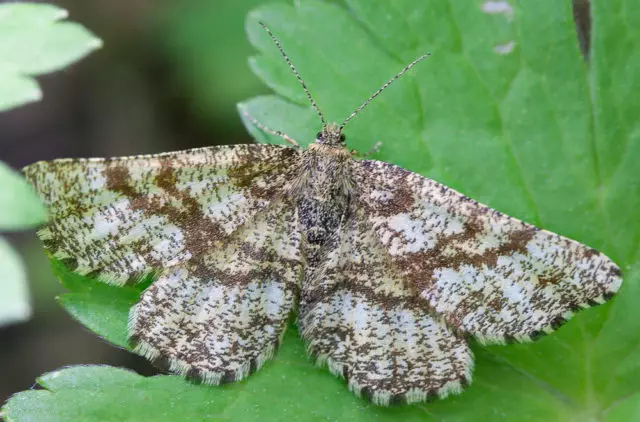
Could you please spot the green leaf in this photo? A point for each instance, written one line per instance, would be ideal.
(33, 41)
(625, 410)
(14, 295)
(20, 205)
(102, 393)
(102, 308)
(534, 132)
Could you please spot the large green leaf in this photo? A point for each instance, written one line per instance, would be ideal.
(505, 111)
(34, 41)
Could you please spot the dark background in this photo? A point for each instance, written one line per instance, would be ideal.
(168, 77)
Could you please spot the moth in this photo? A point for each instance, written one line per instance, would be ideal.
(390, 273)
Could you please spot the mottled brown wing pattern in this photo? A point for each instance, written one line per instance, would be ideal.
(217, 318)
(360, 317)
(121, 218)
(486, 274)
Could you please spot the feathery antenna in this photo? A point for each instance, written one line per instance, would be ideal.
(304, 86)
(382, 88)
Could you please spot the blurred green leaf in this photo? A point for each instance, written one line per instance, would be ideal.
(34, 41)
(102, 393)
(208, 48)
(14, 299)
(20, 207)
(505, 111)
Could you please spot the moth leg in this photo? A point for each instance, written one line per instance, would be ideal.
(375, 149)
(270, 131)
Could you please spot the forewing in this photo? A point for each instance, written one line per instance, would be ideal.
(219, 317)
(487, 274)
(359, 316)
(122, 218)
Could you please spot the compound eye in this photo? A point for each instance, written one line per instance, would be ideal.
(342, 137)
(319, 135)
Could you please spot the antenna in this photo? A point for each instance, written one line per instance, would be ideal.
(382, 88)
(304, 86)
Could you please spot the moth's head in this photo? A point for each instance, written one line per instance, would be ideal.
(331, 135)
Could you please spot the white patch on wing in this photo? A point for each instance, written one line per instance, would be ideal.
(95, 181)
(170, 242)
(274, 297)
(108, 221)
(513, 293)
(414, 237)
